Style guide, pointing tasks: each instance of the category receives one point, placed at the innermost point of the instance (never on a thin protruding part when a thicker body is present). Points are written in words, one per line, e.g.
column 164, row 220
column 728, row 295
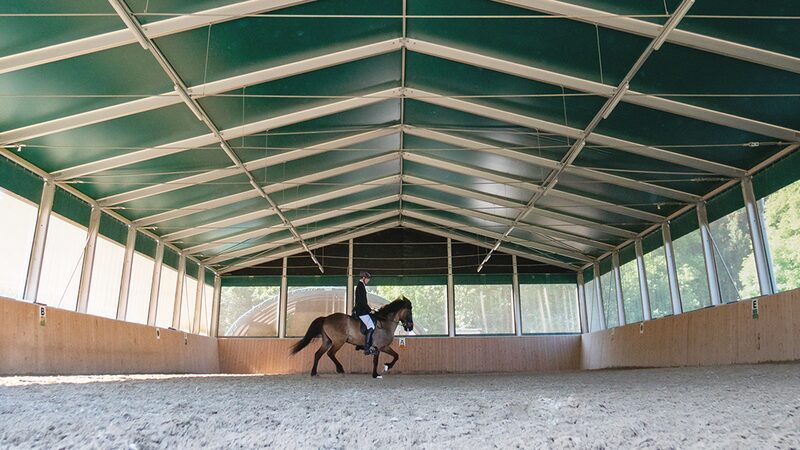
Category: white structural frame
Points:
column 127, row 269
column 672, row 269
column 451, row 296
column 517, row 297
column 618, row 285
column 178, row 302
column 644, row 290
column 758, row 239
column 34, row 273
column 582, row 311
column 85, row 283
column 598, row 295
column 708, row 255
column 580, row 141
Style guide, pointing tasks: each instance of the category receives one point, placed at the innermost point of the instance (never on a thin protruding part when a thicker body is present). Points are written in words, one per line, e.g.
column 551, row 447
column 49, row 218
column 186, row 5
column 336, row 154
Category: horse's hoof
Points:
column 314, row 374
column 377, row 377
column 386, row 368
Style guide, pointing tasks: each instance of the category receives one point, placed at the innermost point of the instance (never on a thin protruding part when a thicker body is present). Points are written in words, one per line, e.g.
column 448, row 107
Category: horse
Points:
column 338, row 329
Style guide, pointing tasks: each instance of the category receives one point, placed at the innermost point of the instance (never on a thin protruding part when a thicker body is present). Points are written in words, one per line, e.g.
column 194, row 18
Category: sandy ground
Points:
column 717, row 407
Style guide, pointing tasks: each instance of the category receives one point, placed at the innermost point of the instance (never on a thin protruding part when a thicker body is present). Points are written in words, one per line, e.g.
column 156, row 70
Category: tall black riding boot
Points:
column 368, row 342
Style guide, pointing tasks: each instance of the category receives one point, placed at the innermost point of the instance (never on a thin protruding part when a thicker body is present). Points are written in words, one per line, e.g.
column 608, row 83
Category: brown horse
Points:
column 338, row 329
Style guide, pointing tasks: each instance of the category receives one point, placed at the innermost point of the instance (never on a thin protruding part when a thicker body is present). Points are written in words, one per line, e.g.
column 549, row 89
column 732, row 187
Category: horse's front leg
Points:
column 390, row 351
column 375, row 365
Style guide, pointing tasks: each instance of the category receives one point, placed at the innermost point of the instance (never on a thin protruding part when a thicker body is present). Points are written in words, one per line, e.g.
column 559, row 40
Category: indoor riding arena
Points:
column 576, row 223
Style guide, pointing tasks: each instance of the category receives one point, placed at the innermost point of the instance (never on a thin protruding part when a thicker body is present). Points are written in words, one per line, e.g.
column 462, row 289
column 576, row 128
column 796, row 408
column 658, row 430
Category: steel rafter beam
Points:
column 651, row 30
column 259, row 248
column 457, row 235
column 593, row 87
column 238, row 239
column 269, row 188
column 203, row 90
column 546, row 233
column 131, row 22
column 232, row 133
column 552, row 165
column 441, row 163
column 504, row 202
column 334, row 239
column 490, row 234
column 305, row 201
column 574, row 133
column 152, row 30
column 557, row 247
column 256, row 164
column 604, row 112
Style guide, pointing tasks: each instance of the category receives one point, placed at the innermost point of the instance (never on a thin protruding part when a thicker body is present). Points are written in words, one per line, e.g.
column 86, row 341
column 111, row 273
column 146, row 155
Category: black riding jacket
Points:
column 361, row 306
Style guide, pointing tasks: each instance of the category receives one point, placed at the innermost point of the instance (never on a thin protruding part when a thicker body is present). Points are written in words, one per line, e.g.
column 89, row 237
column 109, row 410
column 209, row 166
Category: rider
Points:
column 361, row 309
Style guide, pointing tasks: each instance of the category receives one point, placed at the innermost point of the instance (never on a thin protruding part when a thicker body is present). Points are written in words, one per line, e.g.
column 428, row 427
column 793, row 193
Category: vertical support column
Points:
column 672, row 270
column 198, row 302
column 643, row 290
column 127, row 268
column 176, row 308
column 708, row 255
column 618, row 285
column 214, row 332
column 283, row 299
column 598, row 295
column 451, row 300
column 758, row 237
column 582, row 303
column 88, row 260
column 39, row 239
column 155, row 284
column 348, row 308
column 517, row 298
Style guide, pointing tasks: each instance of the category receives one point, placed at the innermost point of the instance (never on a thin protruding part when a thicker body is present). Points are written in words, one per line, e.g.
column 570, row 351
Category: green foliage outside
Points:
column 429, row 306
column 782, row 215
column 237, row 300
column 484, row 309
column 549, row 308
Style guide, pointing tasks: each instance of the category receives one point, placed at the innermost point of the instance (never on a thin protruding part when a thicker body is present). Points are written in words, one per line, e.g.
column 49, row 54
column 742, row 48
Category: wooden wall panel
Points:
column 73, row 343
column 725, row 334
column 422, row 355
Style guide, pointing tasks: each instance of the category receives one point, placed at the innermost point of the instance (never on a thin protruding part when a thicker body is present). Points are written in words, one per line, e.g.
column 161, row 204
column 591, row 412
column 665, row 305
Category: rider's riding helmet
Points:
column 365, row 275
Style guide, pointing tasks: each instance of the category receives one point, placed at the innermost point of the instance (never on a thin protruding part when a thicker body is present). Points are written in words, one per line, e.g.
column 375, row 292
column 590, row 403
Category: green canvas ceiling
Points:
column 355, row 116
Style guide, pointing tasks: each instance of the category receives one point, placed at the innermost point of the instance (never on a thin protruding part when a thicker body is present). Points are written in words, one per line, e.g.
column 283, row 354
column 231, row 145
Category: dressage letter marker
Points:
column 42, row 315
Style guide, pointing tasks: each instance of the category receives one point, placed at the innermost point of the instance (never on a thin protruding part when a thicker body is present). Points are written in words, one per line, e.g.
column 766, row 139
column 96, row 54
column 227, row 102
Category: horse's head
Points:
column 406, row 317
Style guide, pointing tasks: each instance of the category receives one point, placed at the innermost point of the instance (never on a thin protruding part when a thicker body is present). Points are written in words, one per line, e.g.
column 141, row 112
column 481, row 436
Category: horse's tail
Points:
column 314, row 330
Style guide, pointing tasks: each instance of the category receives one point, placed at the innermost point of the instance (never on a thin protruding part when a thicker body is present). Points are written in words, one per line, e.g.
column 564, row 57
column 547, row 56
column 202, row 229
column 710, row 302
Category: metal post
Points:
column 582, row 303
column 708, row 255
column 451, row 301
column 758, row 237
column 672, row 270
column 198, row 302
column 348, row 307
column 618, row 284
column 39, row 239
column 283, row 299
column 127, row 268
column 598, row 294
column 517, row 297
column 214, row 332
column 155, row 284
column 176, row 308
column 643, row 290
column 88, row 260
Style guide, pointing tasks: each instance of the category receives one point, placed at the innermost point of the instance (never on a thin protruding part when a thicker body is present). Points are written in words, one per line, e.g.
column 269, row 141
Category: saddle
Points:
column 364, row 327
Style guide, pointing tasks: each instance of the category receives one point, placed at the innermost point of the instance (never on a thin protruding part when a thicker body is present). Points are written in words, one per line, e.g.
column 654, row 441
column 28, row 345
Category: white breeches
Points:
column 367, row 321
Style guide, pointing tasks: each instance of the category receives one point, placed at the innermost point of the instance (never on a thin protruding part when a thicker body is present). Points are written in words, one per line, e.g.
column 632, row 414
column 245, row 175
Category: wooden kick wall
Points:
column 73, row 343
column 726, row 334
column 422, row 355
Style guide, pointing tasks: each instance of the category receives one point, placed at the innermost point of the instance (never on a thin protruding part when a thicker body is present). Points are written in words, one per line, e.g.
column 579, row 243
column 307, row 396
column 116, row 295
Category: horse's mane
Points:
column 386, row 310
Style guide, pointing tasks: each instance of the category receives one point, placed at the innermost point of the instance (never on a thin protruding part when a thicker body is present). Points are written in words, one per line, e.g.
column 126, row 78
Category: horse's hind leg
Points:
column 390, row 351
column 332, row 355
column 326, row 344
